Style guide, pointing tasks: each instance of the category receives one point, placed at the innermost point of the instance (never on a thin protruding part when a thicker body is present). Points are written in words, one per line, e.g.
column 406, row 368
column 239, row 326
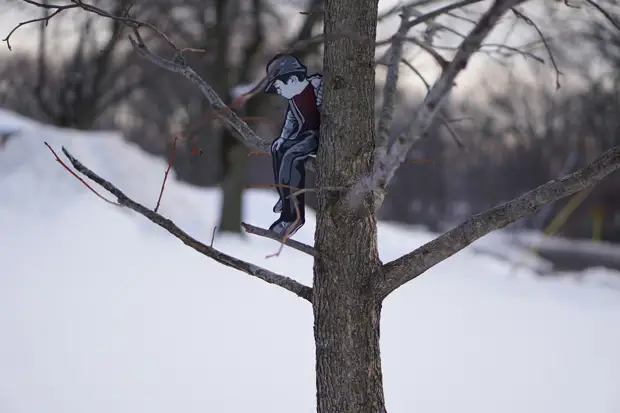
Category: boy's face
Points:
column 288, row 89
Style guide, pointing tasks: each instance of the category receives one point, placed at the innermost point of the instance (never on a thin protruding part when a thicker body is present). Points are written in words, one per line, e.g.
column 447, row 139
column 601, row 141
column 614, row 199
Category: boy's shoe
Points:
column 281, row 227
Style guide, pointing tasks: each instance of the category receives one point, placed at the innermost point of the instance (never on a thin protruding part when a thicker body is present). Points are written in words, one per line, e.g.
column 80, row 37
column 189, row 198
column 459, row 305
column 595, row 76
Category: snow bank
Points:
column 101, row 311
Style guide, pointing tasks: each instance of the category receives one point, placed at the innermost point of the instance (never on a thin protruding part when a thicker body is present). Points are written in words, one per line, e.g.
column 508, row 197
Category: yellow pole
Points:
column 597, row 223
column 560, row 219
column 562, row 216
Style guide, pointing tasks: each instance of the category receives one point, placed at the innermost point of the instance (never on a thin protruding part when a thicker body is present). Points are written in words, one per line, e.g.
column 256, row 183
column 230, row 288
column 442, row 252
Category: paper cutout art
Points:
column 299, row 138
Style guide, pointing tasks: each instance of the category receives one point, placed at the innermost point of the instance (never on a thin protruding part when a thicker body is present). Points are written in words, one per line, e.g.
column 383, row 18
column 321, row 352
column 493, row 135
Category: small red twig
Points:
column 258, row 154
column 163, row 184
column 214, row 115
column 78, row 178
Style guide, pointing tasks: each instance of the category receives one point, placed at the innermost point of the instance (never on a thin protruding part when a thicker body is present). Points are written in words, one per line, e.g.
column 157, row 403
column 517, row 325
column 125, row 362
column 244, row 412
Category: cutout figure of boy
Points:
column 299, row 137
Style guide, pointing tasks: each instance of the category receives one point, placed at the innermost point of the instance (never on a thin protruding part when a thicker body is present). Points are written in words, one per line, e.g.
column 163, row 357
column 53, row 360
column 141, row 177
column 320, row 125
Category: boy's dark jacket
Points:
column 294, row 123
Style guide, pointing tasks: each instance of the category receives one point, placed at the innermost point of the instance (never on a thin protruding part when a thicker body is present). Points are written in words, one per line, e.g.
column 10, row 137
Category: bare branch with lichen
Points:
column 410, row 266
column 289, row 284
column 391, row 85
column 386, row 167
column 243, row 131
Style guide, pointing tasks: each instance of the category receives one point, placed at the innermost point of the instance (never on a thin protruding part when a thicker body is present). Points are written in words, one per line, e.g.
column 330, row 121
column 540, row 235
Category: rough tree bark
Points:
column 347, row 315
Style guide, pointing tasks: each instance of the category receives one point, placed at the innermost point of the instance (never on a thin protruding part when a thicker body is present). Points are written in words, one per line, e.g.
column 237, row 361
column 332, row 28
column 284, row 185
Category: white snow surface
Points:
column 102, row 311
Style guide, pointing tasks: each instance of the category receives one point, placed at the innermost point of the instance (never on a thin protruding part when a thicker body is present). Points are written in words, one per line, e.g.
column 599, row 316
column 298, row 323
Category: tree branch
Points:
column 44, row 19
column 133, row 23
column 530, row 22
column 244, row 132
column 299, row 246
column 605, row 13
column 443, row 63
column 409, row 266
column 438, row 12
column 397, row 153
column 289, row 284
column 384, row 125
column 389, row 90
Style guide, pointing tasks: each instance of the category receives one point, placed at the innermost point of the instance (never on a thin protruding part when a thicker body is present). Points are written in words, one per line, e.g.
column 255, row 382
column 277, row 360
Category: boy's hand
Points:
column 276, row 144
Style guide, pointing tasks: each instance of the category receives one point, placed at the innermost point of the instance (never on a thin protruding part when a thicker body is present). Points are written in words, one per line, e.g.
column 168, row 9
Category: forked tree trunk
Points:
column 347, row 316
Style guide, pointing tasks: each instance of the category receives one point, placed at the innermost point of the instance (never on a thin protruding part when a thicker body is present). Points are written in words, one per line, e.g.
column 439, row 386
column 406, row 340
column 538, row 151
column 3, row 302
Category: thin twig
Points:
column 133, row 23
column 417, row 73
column 438, row 12
column 64, row 165
column 300, row 246
column 515, row 50
column 391, row 84
column 417, row 128
column 530, row 22
column 443, row 120
column 604, row 12
column 289, row 284
column 453, row 134
column 213, row 236
column 321, row 189
column 293, row 196
column 46, row 19
column 441, row 61
column 163, row 184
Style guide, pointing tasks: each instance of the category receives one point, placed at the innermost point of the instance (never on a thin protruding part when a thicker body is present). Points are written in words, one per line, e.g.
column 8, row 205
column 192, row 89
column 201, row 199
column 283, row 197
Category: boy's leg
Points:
column 276, row 159
column 293, row 173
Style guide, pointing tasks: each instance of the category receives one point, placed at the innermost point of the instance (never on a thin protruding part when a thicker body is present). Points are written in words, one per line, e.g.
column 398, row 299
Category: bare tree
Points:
column 350, row 281
column 75, row 90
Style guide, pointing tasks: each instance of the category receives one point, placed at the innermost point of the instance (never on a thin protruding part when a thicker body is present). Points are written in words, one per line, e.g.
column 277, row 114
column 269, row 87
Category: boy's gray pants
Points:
column 290, row 172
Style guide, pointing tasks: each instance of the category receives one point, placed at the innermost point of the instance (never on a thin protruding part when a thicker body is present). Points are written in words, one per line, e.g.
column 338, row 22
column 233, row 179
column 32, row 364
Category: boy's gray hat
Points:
column 282, row 65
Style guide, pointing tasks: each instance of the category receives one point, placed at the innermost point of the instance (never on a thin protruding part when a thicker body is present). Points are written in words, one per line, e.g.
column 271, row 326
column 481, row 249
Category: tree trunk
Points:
column 234, row 157
column 235, row 168
column 347, row 315
column 233, row 153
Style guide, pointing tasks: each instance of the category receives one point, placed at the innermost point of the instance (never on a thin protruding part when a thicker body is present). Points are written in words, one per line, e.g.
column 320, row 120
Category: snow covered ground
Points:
column 102, row 311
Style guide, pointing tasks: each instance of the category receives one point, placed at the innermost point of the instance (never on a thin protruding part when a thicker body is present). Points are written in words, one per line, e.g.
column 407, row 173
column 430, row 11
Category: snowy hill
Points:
column 102, row 311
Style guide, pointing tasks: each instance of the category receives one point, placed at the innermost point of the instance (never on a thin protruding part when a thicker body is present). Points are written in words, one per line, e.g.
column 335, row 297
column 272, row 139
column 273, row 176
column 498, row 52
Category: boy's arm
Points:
column 289, row 126
column 317, row 83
